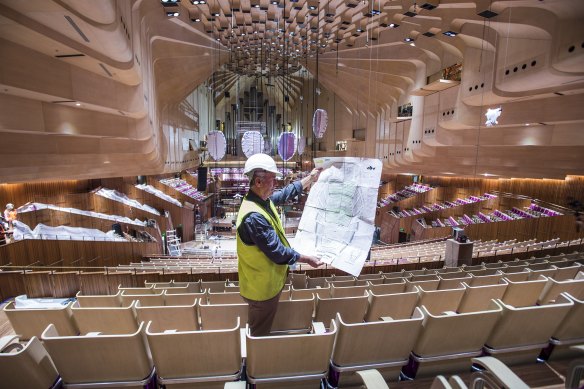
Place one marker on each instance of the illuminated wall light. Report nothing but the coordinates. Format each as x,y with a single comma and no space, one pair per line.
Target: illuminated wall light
450,33
78,104
173,14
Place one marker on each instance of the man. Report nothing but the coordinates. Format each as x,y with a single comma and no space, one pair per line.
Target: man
263,251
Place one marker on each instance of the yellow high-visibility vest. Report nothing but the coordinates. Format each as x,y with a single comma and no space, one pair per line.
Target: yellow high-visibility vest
260,278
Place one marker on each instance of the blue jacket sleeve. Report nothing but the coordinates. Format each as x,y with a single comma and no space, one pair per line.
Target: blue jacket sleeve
262,234
291,190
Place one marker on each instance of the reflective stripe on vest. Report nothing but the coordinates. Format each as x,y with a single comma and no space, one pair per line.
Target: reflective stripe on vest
260,279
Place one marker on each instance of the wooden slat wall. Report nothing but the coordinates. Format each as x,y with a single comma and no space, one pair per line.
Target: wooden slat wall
551,191
30,252
20,194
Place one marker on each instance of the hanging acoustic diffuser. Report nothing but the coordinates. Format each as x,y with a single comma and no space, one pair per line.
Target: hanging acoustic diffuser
216,144
287,145
252,143
319,122
301,145
267,146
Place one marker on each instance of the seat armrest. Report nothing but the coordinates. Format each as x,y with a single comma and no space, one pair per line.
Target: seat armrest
372,379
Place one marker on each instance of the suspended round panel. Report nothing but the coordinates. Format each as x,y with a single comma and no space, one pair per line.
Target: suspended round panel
267,146
319,122
216,144
287,145
301,145
252,143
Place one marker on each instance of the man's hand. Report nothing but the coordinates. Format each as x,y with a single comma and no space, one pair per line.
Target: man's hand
310,260
312,177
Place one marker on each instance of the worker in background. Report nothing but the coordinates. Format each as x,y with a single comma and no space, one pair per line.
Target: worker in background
10,214
263,251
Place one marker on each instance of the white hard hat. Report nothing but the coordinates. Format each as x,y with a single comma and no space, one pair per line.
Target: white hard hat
10,206
261,161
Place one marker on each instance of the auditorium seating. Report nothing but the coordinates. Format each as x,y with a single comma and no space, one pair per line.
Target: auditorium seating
521,332
447,341
26,365
570,332
168,317
383,345
196,359
105,320
289,361
100,359
32,322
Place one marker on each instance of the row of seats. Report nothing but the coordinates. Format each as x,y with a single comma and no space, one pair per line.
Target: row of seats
420,345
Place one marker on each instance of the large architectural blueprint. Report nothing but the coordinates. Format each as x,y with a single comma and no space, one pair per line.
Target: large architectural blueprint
338,220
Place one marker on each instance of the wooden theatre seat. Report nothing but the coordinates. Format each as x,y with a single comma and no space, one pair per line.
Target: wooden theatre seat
183,298
352,309
553,288
146,300
293,316
137,291
105,320
175,318
289,361
196,359
225,298
448,341
222,316
108,300
570,332
348,291
99,360
390,286
28,322
26,366
441,301
478,298
523,293
521,332
396,306
383,345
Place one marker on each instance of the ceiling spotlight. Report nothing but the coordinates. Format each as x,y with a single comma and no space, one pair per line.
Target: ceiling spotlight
450,33
78,104
408,40
170,3
172,13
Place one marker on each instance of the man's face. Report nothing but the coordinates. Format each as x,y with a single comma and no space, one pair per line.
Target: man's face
265,183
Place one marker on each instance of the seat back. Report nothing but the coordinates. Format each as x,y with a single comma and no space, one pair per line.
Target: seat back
293,315
395,285
378,342
222,316
397,306
183,298
137,291
303,294
146,300
571,329
108,300
478,298
176,318
289,356
523,293
100,358
225,298
28,366
567,273
105,320
352,309
452,282
320,282
32,322
196,355
297,280
445,335
431,284
526,326
440,301
348,291
213,286
553,289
